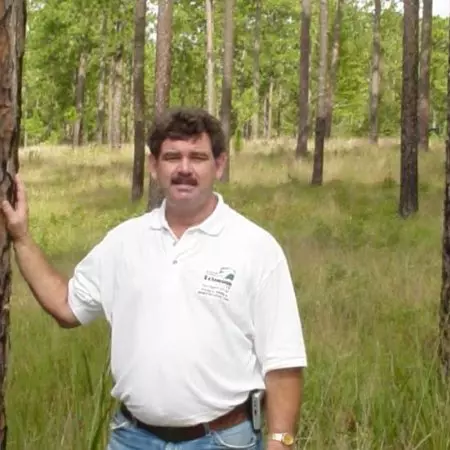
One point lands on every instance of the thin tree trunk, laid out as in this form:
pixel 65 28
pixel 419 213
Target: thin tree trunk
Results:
pixel 129 112
pixel 100 132
pixel 116 138
pixel 444 313
pixel 163 56
pixel 317 176
pixel 424 80
pixel 409 136
pixel 137 188
pixel 227 81
pixel 303 98
pixel 376 77
pixel 256 76
pixel 162 79
pixel 333 67
pixel 210 55
pixel 279 104
pixel 79 100
pixel 110 101
pixel 269 124
pixel 266 115
pixel 12 43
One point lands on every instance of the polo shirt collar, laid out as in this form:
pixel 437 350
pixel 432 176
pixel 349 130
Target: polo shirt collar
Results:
pixel 212 225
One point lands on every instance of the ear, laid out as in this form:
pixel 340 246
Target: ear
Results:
pixel 152 163
pixel 221 162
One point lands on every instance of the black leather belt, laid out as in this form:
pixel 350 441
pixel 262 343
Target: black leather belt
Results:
pixel 180 434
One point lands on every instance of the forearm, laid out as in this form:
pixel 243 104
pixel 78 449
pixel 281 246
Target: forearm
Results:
pixel 49 287
pixel 283 400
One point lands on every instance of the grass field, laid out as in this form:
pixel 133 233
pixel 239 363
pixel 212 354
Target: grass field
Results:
pixel 368 285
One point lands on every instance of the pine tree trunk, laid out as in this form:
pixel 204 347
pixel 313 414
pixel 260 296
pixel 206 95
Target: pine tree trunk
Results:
pixel 110 101
pixel 256 77
pixel 162 79
pixel 409 136
pixel 137 189
pixel 117 83
pixel 376 77
pixel 12 44
pixel 444 313
pixel 100 130
pixel 317 176
pixel 270 111
pixel 210 55
pixel 333 67
pixel 303 98
pixel 163 56
pixel 129 108
pixel 79 100
pixel 424 80
pixel 227 81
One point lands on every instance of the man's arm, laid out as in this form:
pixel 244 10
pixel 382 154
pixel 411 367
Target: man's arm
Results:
pixel 280 349
pixel 49 287
pixel 284 388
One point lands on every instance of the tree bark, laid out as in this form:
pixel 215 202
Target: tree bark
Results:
pixel 162 79
pixel 210 55
pixel 79 100
pixel 333 67
pixel 270 111
pixel 163 56
pixel 117 88
pixel 137 188
pixel 376 77
pixel 100 131
pixel 256 76
pixel 409 136
pixel 12 42
pixel 303 98
pixel 317 176
pixel 444 313
pixel 424 80
pixel 227 81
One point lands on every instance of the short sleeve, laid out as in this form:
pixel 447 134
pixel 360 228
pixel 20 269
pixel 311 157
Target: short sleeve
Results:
pixel 279 341
pixel 85 286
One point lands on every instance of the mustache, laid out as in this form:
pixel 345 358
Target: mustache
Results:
pixel 182 179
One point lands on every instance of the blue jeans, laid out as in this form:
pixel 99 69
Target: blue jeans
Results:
pixel 125 435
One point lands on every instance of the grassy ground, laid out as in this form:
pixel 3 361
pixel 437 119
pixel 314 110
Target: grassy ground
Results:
pixel 368 284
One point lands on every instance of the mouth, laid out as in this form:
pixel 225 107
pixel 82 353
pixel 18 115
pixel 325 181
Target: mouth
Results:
pixel 184 186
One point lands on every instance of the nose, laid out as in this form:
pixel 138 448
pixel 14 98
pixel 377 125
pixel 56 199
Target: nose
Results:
pixel 185 166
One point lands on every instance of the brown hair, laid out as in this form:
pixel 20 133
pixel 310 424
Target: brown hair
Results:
pixel 185 123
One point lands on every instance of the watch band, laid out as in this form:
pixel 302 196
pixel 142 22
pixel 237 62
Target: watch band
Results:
pixel 284 438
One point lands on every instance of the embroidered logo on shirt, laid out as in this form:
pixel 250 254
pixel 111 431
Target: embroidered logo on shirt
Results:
pixel 217 284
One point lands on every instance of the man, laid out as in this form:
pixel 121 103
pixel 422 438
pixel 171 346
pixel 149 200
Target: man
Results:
pixel 200 301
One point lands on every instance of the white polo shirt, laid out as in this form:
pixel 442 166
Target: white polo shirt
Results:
pixel 195 323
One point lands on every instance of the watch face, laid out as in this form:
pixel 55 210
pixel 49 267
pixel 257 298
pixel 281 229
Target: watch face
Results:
pixel 288 439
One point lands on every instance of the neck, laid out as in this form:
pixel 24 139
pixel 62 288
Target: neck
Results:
pixel 180 220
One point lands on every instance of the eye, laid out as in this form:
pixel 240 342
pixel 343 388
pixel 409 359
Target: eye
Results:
pixel 171 157
pixel 199 157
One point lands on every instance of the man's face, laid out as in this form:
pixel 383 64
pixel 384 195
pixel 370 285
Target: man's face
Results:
pixel 186 171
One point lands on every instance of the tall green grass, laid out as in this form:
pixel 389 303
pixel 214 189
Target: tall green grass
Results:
pixel 368 285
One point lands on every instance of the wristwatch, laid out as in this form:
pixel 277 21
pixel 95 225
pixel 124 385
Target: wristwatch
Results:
pixel 284 438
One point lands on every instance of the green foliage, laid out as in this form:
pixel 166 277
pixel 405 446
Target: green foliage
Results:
pixel 60 29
